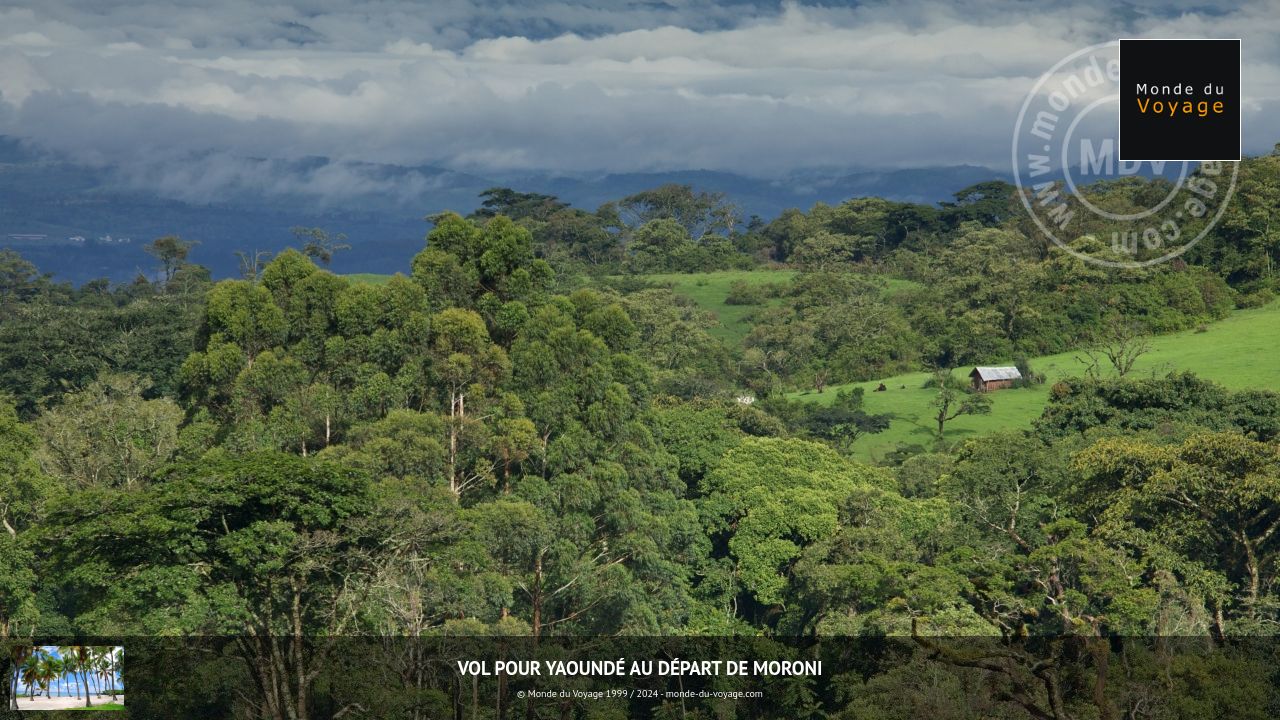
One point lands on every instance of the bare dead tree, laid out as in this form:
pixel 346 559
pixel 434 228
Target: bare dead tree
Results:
pixel 1122 343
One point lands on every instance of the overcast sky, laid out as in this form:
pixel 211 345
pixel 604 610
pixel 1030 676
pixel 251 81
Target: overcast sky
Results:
pixel 758 88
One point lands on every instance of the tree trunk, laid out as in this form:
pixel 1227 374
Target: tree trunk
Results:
pixel 300 710
pixel 502 690
pixel 455 419
pixel 1100 648
pixel 536 599
pixel 1251 567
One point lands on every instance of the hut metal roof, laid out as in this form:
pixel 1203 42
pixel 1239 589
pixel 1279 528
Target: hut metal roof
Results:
pixel 996 373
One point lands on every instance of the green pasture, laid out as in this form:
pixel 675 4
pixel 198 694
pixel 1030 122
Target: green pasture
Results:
pixel 709 290
pixel 1242 351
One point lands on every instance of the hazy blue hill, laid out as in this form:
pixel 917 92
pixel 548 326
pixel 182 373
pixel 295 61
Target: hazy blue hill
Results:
pixel 245 204
pixel 764 196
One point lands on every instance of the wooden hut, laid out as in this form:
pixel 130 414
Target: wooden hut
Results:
pixel 986 379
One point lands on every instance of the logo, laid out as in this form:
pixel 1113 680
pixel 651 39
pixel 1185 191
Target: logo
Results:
pixel 1086 200
pixel 1180 99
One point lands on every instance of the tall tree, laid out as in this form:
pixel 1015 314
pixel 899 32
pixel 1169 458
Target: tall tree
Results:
pixel 318 244
pixel 698 212
pixel 769 498
pixel 1212 500
pixel 171 251
pixel 467 364
pixel 517 205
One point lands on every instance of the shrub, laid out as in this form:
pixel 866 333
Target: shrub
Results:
pixel 1255 299
pixel 743 293
pixel 1030 378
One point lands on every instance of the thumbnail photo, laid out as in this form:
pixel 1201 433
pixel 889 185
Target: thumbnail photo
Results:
pixel 67 677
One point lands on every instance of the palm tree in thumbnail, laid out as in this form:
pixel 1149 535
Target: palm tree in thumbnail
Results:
pixel 82 655
pixel 106 678
pixel 30 674
pixel 69 668
pixel 20 655
pixel 50 670
pixel 114 655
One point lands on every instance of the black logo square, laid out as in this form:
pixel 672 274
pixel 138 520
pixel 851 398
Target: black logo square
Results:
pixel 1179 99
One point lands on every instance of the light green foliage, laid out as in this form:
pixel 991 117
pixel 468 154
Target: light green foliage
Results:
pixel 656 244
pixel 698 438
pixel 244 313
pixel 108 435
pixel 22 485
pixel 466 265
pixel 772 497
pixel 877 573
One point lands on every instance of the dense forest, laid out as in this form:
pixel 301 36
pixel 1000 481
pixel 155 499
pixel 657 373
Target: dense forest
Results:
pixel 526 435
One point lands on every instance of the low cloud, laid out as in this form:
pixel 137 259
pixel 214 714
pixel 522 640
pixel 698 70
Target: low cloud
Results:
pixel 754 88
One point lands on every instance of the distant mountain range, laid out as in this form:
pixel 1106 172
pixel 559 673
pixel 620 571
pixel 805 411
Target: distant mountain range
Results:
pixel 82 221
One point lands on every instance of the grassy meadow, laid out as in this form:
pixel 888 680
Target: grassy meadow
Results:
pixel 1242 351
pixel 709 290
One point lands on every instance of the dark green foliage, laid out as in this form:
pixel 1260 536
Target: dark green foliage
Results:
pixel 697 212
pixel 835 328
pixel 1077 406
pixel 1030 378
pixel 59 339
pixel 840 423
pixel 517 205
pixel 225 541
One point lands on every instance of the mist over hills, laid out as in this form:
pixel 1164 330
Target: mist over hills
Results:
pixel 83 221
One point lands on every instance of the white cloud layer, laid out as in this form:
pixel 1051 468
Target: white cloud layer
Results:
pixel 751 88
